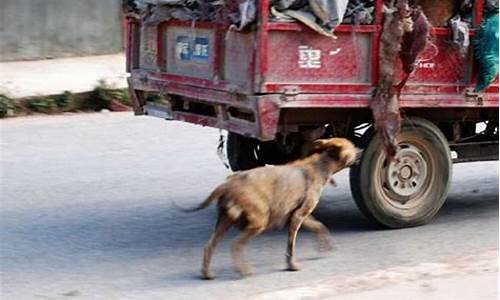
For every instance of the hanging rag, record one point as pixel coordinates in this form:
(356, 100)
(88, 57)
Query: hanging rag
(460, 35)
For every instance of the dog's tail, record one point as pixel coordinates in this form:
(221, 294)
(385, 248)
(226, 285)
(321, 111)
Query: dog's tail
(215, 195)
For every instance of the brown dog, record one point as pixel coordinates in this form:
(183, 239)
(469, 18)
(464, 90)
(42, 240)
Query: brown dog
(270, 197)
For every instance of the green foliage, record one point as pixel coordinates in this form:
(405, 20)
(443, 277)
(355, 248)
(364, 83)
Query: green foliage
(98, 99)
(122, 96)
(102, 97)
(65, 100)
(41, 104)
(6, 106)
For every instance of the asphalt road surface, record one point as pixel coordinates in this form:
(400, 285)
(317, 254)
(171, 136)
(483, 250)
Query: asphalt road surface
(87, 212)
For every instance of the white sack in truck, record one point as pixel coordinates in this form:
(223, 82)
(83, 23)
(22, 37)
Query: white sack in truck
(330, 13)
(323, 16)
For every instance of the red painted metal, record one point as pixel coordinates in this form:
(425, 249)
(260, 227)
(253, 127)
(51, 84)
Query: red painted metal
(275, 79)
(407, 101)
(162, 58)
(136, 104)
(301, 28)
(130, 44)
(268, 115)
(344, 60)
(192, 92)
(478, 12)
(379, 7)
(195, 82)
(311, 88)
(240, 127)
(219, 40)
(263, 47)
(124, 32)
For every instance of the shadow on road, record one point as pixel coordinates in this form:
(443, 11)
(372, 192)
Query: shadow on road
(150, 231)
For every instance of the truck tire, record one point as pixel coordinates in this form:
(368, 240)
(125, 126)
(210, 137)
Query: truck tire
(241, 152)
(411, 189)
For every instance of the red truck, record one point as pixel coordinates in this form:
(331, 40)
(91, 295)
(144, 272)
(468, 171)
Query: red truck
(280, 85)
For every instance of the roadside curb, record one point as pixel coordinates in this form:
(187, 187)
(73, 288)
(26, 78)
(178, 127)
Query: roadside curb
(21, 79)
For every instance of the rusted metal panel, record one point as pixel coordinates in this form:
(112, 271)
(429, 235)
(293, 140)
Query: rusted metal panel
(166, 87)
(148, 52)
(241, 127)
(134, 97)
(239, 56)
(268, 115)
(132, 44)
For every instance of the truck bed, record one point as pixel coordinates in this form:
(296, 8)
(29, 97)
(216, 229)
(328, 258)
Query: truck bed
(241, 80)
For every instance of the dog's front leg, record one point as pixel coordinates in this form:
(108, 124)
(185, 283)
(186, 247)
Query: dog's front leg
(298, 218)
(292, 236)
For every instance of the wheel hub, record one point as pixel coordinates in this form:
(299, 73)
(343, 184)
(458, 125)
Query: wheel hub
(406, 174)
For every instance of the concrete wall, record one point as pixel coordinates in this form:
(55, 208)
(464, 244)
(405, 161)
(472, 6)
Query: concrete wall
(38, 29)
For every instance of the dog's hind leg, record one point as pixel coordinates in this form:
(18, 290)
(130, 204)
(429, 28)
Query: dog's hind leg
(223, 224)
(250, 231)
(322, 233)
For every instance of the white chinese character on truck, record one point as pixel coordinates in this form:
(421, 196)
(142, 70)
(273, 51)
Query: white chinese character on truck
(309, 58)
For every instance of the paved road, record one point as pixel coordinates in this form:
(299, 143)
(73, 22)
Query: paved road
(88, 213)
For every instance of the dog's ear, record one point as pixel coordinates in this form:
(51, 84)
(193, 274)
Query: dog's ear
(319, 145)
(324, 144)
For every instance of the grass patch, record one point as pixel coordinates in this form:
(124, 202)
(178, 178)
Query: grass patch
(102, 97)
(6, 106)
(41, 105)
(65, 101)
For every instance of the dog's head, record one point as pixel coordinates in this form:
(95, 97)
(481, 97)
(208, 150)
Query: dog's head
(339, 150)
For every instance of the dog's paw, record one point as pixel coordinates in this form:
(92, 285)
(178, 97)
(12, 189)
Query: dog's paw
(245, 271)
(325, 245)
(207, 275)
(293, 267)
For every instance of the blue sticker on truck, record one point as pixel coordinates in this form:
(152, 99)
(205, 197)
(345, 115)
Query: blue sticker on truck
(183, 48)
(192, 50)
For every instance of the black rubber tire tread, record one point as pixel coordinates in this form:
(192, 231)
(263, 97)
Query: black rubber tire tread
(241, 152)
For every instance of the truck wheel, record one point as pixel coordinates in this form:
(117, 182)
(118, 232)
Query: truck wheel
(409, 190)
(241, 152)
